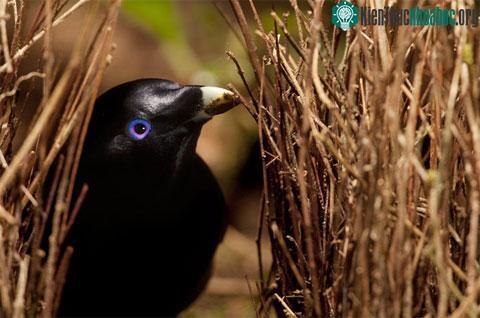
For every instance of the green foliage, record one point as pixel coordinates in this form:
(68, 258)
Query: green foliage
(160, 17)
(192, 36)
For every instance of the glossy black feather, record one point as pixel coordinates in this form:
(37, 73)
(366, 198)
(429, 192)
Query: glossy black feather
(154, 214)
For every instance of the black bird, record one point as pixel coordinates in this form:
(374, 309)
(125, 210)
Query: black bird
(154, 214)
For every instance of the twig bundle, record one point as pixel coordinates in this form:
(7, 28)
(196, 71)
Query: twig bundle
(32, 270)
(370, 146)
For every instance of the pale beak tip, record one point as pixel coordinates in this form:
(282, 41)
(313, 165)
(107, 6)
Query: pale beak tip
(218, 100)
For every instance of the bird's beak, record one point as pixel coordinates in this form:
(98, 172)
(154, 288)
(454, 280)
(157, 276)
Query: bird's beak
(217, 100)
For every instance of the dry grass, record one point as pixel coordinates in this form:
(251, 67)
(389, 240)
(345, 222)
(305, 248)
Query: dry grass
(371, 160)
(30, 278)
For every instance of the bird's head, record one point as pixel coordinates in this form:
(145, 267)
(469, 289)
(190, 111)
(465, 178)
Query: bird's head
(151, 122)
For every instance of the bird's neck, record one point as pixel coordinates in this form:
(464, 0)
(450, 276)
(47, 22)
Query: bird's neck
(162, 176)
(162, 172)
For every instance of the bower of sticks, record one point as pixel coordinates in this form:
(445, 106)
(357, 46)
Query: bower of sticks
(39, 159)
(370, 148)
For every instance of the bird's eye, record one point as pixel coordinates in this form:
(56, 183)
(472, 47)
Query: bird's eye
(139, 128)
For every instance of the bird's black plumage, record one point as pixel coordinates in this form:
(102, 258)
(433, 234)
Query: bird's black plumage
(154, 214)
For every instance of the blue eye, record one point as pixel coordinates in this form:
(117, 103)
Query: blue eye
(139, 128)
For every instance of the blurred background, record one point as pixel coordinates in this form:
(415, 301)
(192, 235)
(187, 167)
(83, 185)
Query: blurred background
(186, 41)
